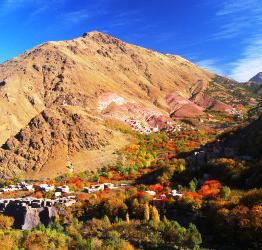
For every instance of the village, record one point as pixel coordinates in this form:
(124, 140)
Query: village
(62, 195)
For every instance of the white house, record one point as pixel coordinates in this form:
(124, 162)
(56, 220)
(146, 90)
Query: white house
(63, 189)
(109, 185)
(58, 194)
(152, 193)
(175, 193)
(46, 187)
(94, 188)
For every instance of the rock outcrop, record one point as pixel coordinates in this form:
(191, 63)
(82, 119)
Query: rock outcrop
(27, 217)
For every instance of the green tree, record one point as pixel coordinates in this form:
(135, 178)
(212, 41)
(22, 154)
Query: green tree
(193, 237)
(225, 192)
(192, 186)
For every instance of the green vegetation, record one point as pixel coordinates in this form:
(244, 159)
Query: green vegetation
(218, 200)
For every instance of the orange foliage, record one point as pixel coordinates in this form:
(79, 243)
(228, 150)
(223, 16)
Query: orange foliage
(170, 146)
(191, 144)
(50, 182)
(82, 197)
(117, 177)
(157, 188)
(192, 195)
(38, 194)
(103, 179)
(190, 133)
(210, 189)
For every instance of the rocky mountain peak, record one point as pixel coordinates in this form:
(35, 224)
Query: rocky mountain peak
(101, 37)
(257, 78)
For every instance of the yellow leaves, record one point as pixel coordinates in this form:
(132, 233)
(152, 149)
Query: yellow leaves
(7, 242)
(197, 204)
(127, 218)
(146, 212)
(6, 222)
(155, 216)
(256, 215)
(223, 212)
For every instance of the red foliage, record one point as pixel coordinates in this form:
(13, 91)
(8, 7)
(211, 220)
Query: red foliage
(107, 190)
(82, 197)
(210, 188)
(190, 132)
(157, 188)
(170, 155)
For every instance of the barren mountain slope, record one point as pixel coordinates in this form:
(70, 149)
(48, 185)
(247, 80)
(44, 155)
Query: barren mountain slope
(79, 71)
(94, 77)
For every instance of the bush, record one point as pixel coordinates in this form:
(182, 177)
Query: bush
(45, 238)
(6, 222)
(225, 192)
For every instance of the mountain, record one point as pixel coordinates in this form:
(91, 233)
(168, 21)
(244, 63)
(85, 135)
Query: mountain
(57, 98)
(257, 78)
(248, 140)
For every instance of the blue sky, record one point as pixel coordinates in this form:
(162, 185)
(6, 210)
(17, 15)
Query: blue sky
(224, 36)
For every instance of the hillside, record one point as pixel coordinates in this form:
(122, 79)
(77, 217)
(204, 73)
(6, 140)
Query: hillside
(56, 98)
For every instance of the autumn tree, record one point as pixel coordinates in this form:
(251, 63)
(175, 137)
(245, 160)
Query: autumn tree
(155, 216)
(146, 212)
(127, 218)
(6, 222)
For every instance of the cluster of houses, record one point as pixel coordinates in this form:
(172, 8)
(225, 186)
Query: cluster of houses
(36, 203)
(102, 186)
(148, 127)
(140, 127)
(22, 186)
(58, 191)
(174, 193)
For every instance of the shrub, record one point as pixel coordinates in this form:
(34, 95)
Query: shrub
(225, 192)
(6, 222)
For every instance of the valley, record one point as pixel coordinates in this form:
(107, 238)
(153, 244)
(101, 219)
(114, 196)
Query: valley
(107, 145)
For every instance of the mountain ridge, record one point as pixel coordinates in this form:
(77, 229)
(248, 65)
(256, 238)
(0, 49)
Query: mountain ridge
(97, 78)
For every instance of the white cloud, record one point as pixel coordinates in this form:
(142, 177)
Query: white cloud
(210, 65)
(243, 19)
(250, 62)
(75, 16)
(235, 6)
(237, 17)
